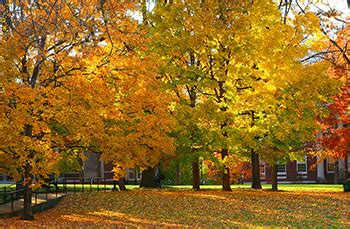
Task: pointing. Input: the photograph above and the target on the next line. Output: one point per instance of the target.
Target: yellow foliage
(74, 83)
(178, 209)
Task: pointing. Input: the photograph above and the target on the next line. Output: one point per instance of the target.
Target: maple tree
(75, 78)
(332, 22)
(177, 50)
(244, 76)
(335, 135)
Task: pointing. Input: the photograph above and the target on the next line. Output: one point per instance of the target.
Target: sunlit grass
(281, 187)
(185, 208)
(5, 185)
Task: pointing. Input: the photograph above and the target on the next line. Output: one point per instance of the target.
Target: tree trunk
(346, 161)
(226, 184)
(147, 180)
(274, 178)
(27, 213)
(195, 175)
(121, 184)
(177, 180)
(19, 186)
(256, 182)
(336, 171)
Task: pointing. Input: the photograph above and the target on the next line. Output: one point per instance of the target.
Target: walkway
(18, 204)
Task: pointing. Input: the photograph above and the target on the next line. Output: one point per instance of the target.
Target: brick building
(93, 167)
(311, 170)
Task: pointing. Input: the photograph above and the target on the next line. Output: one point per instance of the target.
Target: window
(281, 169)
(131, 175)
(2, 88)
(139, 175)
(262, 168)
(302, 166)
(330, 165)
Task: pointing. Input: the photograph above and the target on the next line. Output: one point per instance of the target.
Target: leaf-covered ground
(188, 208)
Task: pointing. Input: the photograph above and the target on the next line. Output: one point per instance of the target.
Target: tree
(335, 135)
(247, 72)
(177, 49)
(67, 69)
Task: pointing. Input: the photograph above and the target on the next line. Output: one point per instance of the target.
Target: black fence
(84, 184)
(54, 189)
(7, 192)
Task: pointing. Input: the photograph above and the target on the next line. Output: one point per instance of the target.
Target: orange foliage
(336, 127)
(236, 166)
(75, 77)
(178, 209)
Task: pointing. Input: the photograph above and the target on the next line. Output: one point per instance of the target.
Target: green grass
(281, 187)
(6, 185)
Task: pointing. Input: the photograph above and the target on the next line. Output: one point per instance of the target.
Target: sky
(340, 5)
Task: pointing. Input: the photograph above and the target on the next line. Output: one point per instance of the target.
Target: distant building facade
(310, 170)
(94, 168)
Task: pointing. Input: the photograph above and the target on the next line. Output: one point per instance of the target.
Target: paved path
(18, 204)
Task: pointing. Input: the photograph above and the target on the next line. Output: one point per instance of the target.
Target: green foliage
(185, 172)
(238, 76)
(69, 162)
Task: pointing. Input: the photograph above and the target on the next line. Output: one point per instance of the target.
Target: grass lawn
(7, 185)
(210, 208)
(282, 187)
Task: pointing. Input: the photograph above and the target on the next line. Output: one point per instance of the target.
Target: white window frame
(263, 171)
(131, 171)
(302, 162)
(327, 163)
(285, 170)
(139, 175)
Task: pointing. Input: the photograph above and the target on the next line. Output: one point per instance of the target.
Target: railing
(11, 197)
(5, 193)
(61, 186)
(88, 184)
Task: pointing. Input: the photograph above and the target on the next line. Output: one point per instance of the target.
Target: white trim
(102, 169)
(301, 163)
(320, 168)
(330, 172)
(262, 172)
(139, 175)
(285, 170)
(288, 182)
(298, 182)
(130, 171)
